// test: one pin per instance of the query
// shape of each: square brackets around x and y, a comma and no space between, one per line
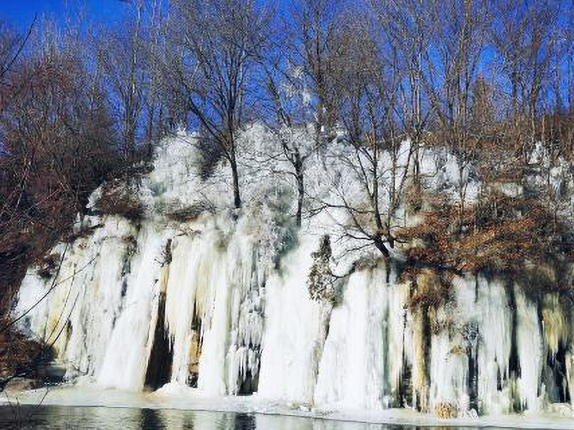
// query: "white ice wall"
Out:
[351,355]
[101,311]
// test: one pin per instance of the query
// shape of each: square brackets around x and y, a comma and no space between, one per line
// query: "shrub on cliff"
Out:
[430,289]
[320,281]
[121,201]
[499,233]
[56,145]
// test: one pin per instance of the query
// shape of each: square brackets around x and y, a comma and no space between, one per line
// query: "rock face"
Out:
[140,304]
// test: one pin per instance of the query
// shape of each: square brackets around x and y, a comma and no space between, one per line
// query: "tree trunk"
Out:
[235,174]
[130,137]
[150,136]
[381,246]
[300,187]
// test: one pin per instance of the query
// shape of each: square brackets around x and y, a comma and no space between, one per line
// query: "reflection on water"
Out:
[92,418]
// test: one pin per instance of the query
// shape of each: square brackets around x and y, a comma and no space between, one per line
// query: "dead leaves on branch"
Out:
[500,234]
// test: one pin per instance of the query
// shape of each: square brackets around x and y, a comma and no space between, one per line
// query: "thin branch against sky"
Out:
[21,13]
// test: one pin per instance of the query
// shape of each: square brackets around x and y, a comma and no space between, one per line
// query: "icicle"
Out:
[530,351]
[419,376]
[494,347]
[556,329]
[92,272]
[294,332]
[181,292]
[448,368]
[215,326]
[396,296]
[351,372]
[129,346]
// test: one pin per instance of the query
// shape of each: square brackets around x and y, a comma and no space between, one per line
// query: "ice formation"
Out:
[237,317]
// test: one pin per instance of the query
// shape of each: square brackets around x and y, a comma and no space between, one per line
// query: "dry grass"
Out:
[429,288]
[445,410]
[499,234]
[17,353]
[117,201]
[189,213]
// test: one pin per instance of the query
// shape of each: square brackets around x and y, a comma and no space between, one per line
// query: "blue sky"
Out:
[21,12]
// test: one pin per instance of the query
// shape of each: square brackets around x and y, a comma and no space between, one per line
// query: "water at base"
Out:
[95,418]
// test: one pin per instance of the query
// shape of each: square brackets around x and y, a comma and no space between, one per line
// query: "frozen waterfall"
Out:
[138,305]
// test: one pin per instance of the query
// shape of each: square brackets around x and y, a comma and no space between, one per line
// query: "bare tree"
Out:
[121,58]
[314,36]
[153,46]
[524,38]
[291,137]
[11,46]
[568,35]
[405,38]
[288,95]
[459,40]
[220,42]
[368,93]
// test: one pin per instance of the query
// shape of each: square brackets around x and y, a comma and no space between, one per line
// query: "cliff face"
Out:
[222,303]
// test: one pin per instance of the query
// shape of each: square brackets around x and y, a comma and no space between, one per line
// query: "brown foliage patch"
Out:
[117,201]
[429,288]
[500,234]
[19,354]
[189,213]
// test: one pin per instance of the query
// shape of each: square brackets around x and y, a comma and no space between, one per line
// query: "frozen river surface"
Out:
[67,418]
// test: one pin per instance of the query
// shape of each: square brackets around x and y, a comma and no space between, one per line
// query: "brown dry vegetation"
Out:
[189,213]
[501,234]
[19,356]
[429,288]
[56,147]
[115,200]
